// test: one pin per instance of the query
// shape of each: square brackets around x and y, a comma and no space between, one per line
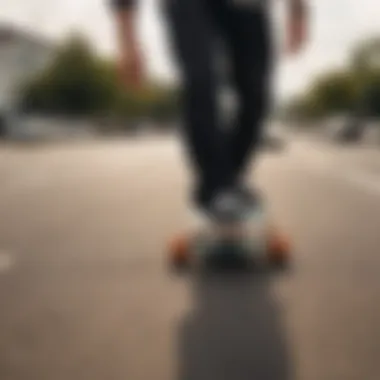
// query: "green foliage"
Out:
[336,91]
[78,82]
[366,55]
[74,83]
[352,90]
[373,92]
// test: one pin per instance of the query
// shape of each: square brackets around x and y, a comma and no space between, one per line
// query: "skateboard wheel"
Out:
[179,252]
[278,248]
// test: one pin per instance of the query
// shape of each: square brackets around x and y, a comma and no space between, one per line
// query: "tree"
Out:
[354,90]
[373,95]
[366,55]
[333,92]
[366,67]
[75,83]
[78,82]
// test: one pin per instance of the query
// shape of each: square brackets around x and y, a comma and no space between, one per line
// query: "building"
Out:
[22,54]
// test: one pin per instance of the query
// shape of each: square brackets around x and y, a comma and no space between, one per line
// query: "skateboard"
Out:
[249,243]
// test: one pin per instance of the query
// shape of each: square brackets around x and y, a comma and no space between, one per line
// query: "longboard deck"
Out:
[254,240]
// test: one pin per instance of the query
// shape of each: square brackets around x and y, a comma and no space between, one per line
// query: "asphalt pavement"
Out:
[85,292]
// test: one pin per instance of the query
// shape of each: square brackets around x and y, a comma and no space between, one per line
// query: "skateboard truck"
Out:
[229,244]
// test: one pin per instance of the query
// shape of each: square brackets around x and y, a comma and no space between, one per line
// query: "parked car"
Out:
[273,139]
[345,129]
[371,133]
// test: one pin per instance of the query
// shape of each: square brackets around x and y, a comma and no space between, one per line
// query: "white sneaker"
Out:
[227,206]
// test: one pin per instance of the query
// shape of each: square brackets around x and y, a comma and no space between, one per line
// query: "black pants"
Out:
[197,27]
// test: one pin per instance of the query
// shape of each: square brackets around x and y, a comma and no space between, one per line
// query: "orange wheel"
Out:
[278,247]
[179,251]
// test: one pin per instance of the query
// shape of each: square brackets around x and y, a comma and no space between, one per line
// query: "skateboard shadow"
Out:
[234,331]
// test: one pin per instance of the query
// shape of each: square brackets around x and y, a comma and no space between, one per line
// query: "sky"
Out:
[336,25]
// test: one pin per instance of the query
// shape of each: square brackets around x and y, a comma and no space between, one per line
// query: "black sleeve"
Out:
[122,4]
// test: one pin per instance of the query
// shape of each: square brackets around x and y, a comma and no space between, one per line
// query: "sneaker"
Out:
[250,200]
[248,196]
[226,206]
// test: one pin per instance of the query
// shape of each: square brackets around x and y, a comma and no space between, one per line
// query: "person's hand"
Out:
[131,69]
[297,32]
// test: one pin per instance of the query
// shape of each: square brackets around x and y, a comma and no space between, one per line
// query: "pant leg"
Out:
[248,38]
[193,37]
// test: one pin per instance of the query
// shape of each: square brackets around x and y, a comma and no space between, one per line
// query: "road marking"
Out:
[6,261]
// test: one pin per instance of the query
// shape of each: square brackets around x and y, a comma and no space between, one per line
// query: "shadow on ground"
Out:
[234,332]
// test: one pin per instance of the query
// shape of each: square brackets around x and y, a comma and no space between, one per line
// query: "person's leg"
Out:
[247,33]
[192,34]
